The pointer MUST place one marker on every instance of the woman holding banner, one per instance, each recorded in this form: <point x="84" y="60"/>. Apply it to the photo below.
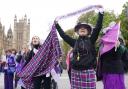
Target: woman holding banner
<point x="83" y="75"/>
<point x="113" y="57"/>
<point x="37" y="80"/>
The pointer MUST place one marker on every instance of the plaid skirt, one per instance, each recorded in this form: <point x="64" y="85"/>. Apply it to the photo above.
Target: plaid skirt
<point x="85" y="79"/>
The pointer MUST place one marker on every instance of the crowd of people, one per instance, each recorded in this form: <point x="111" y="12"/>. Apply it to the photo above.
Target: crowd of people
<point x="84" y="65"/>
<point x="9" y="65"/>
<point x="13" y="62"/>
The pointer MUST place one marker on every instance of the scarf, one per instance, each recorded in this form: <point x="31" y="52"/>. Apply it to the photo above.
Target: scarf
<point x="43" y="61"/>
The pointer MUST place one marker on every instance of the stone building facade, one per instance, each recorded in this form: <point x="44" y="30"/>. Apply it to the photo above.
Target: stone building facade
<point x="18" y="37"/>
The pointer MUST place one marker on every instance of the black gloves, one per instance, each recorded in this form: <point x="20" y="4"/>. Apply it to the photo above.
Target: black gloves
<point x="57" y="26"/>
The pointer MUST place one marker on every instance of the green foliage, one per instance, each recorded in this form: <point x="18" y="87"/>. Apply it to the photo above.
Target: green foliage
<point x="89" y="17"/>
<point x="124" y="22"/>
<point x="109" y="16"/>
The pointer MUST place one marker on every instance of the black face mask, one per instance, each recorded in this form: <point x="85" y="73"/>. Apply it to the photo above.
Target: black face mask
<point x="36" y="46"/>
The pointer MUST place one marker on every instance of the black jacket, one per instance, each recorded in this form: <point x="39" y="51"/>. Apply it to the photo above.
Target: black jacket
<point x="84" y="63"/>
<point x="29" y="57"/>
<point x="114" y="62"/>
<point x="31" y="54"/>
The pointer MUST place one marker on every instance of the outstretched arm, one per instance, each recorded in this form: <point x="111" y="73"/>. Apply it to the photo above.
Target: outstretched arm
<point x="97" y="28"/>
<point x="64" y="36"/>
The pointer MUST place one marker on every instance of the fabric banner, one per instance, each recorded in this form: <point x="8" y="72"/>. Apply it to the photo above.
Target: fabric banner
<point x="43" y="61"/>
<point x="83" y="10"/>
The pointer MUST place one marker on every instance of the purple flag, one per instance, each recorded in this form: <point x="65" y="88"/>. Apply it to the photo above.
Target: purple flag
<point x="110" y="38"/>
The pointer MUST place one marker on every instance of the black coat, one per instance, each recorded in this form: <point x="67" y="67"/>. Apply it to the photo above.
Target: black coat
<point x="31" y="53"/>
<point x="29" y="57"/>
<point x="115" y="62"/>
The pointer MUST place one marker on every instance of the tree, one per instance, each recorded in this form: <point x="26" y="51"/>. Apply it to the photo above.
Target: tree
<point x="91" y="17"/>
<point x="124" y="22"/>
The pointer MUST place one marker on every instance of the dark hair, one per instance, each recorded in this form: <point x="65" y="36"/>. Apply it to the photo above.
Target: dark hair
<point x="121" y="41"/>
<point x="9" y="50"/>
<point x="14" y="50"/>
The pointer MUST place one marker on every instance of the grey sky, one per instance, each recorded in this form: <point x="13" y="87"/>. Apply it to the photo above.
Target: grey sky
<point x="43" y="12"/>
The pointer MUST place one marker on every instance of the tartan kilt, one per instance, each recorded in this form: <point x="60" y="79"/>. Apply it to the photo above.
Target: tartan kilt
<point x="83" y="79"/>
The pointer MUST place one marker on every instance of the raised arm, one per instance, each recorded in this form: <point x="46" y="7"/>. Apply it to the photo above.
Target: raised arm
<point x="97" y="28"/>
<point x="64" y="36"/>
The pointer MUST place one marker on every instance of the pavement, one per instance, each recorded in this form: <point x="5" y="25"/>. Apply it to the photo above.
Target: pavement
<point x="64" y="82"/>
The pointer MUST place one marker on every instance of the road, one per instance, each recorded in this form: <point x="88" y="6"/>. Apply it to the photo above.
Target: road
<point x="64" y="82"/>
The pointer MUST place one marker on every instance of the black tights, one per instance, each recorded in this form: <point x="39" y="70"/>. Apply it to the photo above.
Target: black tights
<point x="38" y="80"/>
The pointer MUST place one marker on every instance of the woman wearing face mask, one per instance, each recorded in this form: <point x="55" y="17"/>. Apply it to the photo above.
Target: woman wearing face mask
<point x="83" y="75"/>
